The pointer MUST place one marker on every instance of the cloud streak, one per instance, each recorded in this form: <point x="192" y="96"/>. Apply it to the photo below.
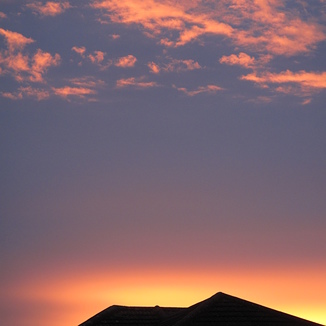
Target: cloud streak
<point x="126" y="62"/>
<point x="23" y="66"/>
<point x="27" y="92"/>
<point x="266" y="26"/>
<point x="175" y="65"/>
<point x="135" y="83"/>
<point x="307" y="80"/>
<point x="242" y="59"/>
<point x="210" y="89"/>
<point x="50" y="8"/>
<point x="15" y="41"/>
<point x="161" y="16"/>
<point x="68" y="91"/>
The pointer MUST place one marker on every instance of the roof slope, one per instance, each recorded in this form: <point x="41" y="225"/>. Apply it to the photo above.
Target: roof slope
<point x="220" y="309"/>
<point x="129" y="316"/>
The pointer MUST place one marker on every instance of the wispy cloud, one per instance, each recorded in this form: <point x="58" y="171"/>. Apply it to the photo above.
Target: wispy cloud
<point x="174" y="65"/>
<point x="24" y="66"/>
<point x="126" y="62"/>
<point x="14" y="40"/>
<point x="2" y="15"/>
<point x="87" y="82"/>
<point x="50" y="8"/>
<point x="211" y="89"/>
<point x="273" y="27"/>
<point x="160" y="16"/>
<point x="266" y="26"/>
<point x="153" y="67"/>
<point x="97" y="56"/>
<point x="40" y="63"/>
<point x="311" y="80"/>
<point x="82" y="88"/>
<point x="242" y="59"/>
<point x="135" y="82"/>
<point x="68" y="91"/>
<point x="79" y="50"/>
<point x="27" y="92"/>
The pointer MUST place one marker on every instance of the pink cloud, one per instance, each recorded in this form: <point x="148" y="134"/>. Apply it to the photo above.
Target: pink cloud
<point x="154" y="68"/>
<point x="274" y="28"/>
<point x="242" y="59"/>
<point x="50" y="8"/>
<point x="175" y="65"/>
<point x="135" y="82"/>
<point x="87" y="82"/>
<point x="314" y="80"/>
<point x="80" y="50"/>
<point x="126" y="62"/>
<point x="159" y="16"/>
<point x="22" y="68"/>
<point x="15" y="64"/>
<point x="2" y="15"/>
<point x="306" y="101"/>
<point x="15" y="41"/>
<point x="97" y="57"/>
<point x="211" y="89"/>
<point x="260" y="25"/>
<point x="41" y="62"/>
<point x="23" y="92"/>
<point x="12" y="96"/>
<point x="68" y="91"/>
<point x="182" y="65"/>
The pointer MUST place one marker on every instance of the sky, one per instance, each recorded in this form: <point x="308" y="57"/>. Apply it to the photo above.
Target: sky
<point x="155" y="152"/>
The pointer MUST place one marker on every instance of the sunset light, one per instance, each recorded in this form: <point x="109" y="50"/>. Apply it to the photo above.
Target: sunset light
<point x="156" y="152"/>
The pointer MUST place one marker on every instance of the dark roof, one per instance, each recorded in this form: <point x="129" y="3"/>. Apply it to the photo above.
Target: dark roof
<point x="220" y="309"/>
<point x="129" y="316"/>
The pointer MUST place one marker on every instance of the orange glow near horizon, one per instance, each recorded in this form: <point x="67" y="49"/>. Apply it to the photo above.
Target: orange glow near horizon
<point x="295" y="292"/>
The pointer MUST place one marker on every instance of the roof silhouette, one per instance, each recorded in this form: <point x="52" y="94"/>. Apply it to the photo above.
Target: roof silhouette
<point x="220" y="309"/>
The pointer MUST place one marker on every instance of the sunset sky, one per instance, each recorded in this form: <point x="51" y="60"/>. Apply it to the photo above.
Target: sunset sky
<point x="155" y="152"/>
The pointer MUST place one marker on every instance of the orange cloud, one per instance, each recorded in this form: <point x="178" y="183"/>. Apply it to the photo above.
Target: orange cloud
<point x="305" y="79"/>
<point x="159" y="16"/>
<point x="174" y="65"/>
<point x="50" y="8"/>
<point x="41" y="62"/>
<point x="80" y="50"/>
<point x="68" y="91"/>
<point x="182" y="65"/>
<point x="15" y="41"/>
<point x="242" y="59"/>
<point x="212" y="89"/>
<point x="126" y="62"/>
<point x="20" y="65"/>
<point x="23" y="92"/>
<point x="15" y="64"/>
<point x="2" y="15"/>
<point x="135" y="82"/>
<point x="12" y="96"/>
<point x="261" y="25"/>
<point x="87" y="82"/>
<point x="154" y="68"/>
<point x="274" y="28"/>
<point x="97" y="57"/>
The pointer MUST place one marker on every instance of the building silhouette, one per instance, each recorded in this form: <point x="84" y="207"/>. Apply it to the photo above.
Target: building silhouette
<point x="219" y="310"/>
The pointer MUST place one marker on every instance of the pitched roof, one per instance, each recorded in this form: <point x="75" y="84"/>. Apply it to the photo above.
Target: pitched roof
<point x="223" y="309"/>
<point x="129" y="316"/>
<point x="220" y="309"/>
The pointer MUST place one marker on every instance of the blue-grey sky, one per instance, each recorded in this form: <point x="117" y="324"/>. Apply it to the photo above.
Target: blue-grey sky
<point x="149" y="145"/>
